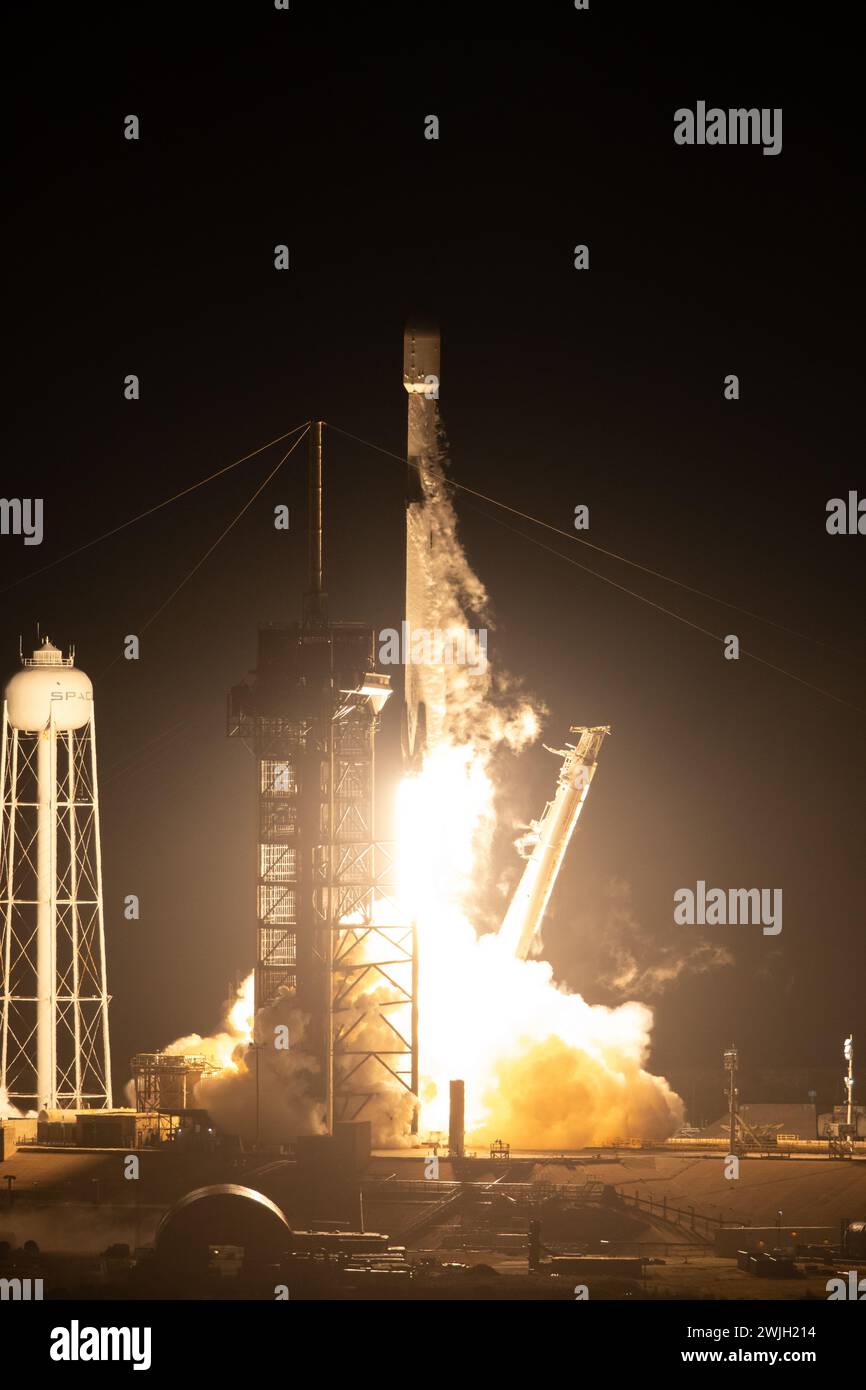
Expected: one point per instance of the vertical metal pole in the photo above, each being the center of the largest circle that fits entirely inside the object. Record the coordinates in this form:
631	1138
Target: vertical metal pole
456	1118
731	1067
7	827
55	812
316	555
329	1033
258	1051
72	822
314	598
849	1083
415	1077
331	926
45	1097
103	975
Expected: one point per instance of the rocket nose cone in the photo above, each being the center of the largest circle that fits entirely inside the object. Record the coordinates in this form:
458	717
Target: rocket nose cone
421	324
421	353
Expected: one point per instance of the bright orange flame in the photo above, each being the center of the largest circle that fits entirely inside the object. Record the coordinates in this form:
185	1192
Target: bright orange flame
542	1067
224	1050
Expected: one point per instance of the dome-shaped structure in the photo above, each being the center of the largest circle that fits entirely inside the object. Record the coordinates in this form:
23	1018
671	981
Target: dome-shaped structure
49	685
225	1214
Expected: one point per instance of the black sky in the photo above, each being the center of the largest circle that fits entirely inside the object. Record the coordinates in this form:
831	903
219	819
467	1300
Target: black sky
559	388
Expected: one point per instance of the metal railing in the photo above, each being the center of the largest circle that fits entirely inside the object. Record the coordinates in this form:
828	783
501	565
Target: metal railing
685	1218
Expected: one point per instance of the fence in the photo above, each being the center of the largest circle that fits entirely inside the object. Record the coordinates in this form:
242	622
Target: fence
686	1218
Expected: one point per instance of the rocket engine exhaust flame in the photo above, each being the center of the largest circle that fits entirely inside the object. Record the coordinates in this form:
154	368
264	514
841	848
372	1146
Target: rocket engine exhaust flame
543	1068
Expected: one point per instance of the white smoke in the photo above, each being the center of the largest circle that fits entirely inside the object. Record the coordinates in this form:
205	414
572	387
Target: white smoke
464	706
632	963
8	1111
542	1067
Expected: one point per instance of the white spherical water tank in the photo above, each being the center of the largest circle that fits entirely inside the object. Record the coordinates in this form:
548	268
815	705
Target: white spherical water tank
49	685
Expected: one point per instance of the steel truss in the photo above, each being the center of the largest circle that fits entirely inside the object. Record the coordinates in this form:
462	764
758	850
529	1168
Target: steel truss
50	863
374	984
328	931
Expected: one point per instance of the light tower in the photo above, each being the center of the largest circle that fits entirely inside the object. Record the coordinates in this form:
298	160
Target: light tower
54	1048
848	1052
732	1062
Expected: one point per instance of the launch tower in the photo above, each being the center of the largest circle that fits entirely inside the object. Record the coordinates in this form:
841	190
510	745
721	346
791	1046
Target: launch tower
323	933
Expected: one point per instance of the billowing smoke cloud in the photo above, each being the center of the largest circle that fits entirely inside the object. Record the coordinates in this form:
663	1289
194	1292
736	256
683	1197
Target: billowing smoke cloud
255	1089
8	1111
542	1067
631	963
267	1092
465	705
269	1095
585	1100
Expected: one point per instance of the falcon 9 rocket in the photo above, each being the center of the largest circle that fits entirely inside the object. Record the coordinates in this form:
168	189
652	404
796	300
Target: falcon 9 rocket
421	376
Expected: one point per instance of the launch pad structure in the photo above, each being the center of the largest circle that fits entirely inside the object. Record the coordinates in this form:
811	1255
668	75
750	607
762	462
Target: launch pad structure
331	942
329	939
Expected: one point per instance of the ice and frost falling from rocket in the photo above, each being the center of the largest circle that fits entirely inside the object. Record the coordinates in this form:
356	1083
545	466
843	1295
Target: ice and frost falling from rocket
464	704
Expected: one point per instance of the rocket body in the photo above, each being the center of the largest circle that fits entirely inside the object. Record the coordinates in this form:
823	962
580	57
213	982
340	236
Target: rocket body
421	369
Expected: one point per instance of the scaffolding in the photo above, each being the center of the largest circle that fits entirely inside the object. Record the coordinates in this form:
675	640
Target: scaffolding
328	936
54	1041
166	1082
374	974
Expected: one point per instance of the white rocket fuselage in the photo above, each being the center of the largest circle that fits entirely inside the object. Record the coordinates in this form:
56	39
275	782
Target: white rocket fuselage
421	376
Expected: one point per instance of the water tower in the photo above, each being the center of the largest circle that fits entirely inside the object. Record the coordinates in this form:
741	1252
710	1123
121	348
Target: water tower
54	1049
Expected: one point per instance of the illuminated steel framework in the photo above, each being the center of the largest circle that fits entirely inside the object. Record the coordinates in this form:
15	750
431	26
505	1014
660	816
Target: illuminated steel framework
371	957
327	933
167	1081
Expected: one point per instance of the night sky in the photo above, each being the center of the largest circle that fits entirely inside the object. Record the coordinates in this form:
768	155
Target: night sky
559	387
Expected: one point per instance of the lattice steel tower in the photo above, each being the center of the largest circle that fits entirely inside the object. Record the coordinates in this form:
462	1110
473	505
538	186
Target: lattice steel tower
54	1047
323	930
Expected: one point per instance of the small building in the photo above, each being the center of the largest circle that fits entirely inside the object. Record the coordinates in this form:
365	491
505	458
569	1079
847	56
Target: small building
96	1129
167	1081
838	1116
15	1131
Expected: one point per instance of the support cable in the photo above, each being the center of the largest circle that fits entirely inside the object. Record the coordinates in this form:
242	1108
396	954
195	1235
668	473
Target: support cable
631	592
611	554
211	548
158	507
